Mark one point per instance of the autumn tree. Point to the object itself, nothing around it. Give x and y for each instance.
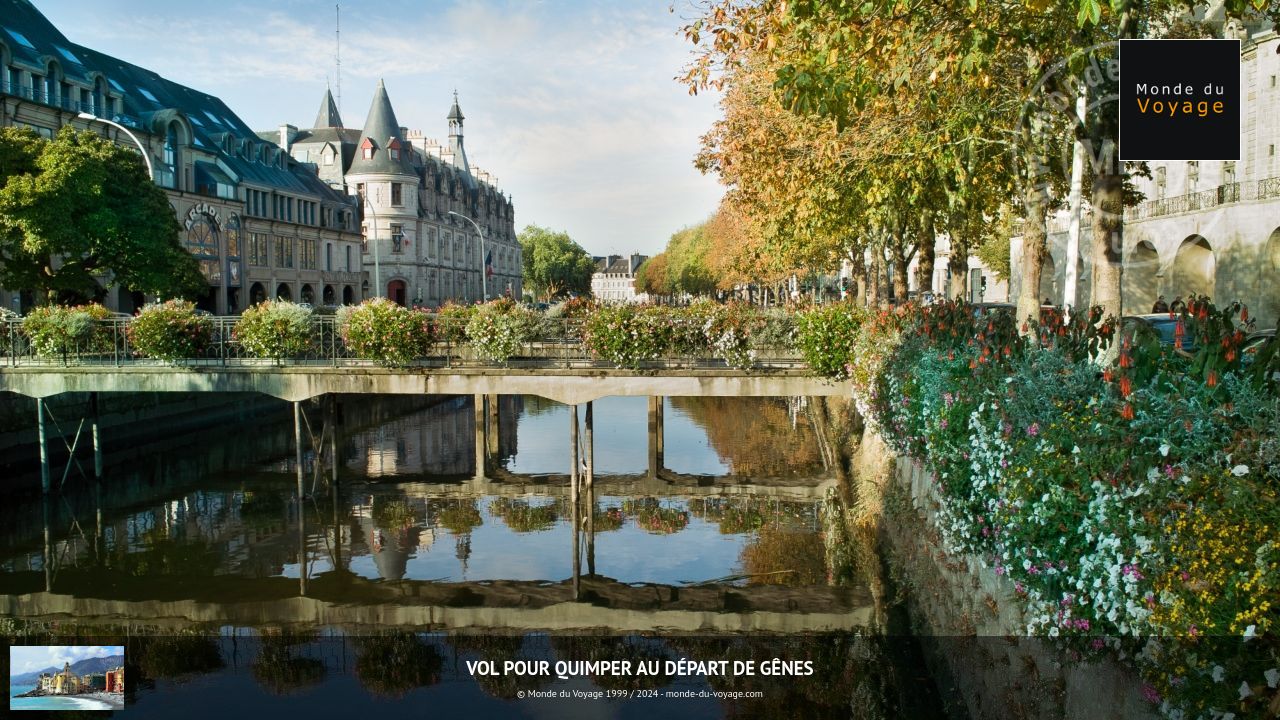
(79, 213)
(554, 265)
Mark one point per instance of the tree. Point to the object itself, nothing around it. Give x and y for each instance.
(687, 270)
(554, 264)
(78, 213)
(651, 276)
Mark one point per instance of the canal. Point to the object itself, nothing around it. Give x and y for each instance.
(397, 568)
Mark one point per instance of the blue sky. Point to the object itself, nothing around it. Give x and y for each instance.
(570, 104)
(25, 659)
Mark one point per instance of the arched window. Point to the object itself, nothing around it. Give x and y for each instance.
(202, 237)
(171, 147)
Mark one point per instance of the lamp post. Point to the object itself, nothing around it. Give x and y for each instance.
(146, 158)
(484, 269)
(377, 266)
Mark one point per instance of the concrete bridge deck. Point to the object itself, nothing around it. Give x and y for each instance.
(570, 386)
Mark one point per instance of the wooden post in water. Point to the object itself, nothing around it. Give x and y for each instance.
(574, 509)
(480, 444)
(590, 449)
(591, 530)
(493, 426)
(573, 446)
(654, 404)
(44, 447)
(297, 444)
(97, 439)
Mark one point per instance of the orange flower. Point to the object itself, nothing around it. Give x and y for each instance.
(1126, 412)
(1212, 380)
(1126, 386)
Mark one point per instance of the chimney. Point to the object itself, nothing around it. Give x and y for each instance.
(287, 134)
(636, 261)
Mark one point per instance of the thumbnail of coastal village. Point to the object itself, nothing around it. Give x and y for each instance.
(94, 682)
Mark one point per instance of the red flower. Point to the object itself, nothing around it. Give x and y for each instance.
(1126, 412)
(1126, 386)
(1107, 375)
(1212, 380)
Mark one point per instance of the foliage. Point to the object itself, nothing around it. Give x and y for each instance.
(651, 277)
(170, 331)
(8, 320)
(498, 329)
(56, 331)
(652, 516)
(383, 331)
(452, 319)
(994, 253)
(783, 556)
(458, 516)
(825, 335)
(1132, 507)
(554, 265)
(275, 329)
(523, 516)
(393, 663)
(79, 207)
(626, 335)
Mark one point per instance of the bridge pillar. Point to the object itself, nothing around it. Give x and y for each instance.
(573, 447)
(590, 449)
(479, 400)
(591, 531)
(297, 444)
(97, 439)
(655, 437)
(44, 447)
(491, 429)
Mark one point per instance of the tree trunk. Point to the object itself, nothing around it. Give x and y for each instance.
(1034, 234)
(924, 269)
(874, 274)
(958, 264)
(900, 275)
(1108, 242)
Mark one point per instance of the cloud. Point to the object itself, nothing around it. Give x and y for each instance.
(25, 659)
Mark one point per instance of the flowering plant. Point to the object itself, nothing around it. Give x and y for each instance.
(385, 332)
(452, 320)
(170, 331)
(58, 331)
(274, 329)
(499, 328)
(627, 335)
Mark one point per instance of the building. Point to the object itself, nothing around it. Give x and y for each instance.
(66, 682)
(1206, 227)
(261, 224)
(115, 680)
(614, 280)
(420, 200)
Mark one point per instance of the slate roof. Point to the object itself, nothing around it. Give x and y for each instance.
(328, 116)
(382, 132)
(151, 101)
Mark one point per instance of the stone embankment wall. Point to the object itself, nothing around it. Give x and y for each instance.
(970, 621)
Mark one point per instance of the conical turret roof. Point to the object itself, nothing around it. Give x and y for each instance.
(328, 116)
(381, 134)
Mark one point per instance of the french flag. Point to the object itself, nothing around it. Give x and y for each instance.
(488, 264)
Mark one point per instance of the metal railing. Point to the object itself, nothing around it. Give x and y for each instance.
(1225, 194)
(556, 344)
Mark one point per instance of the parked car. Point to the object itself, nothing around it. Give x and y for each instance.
(1252, 344)
(1165, 325)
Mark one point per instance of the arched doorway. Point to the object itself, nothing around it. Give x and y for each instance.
(257, 294)
(1140, 281)
(1194, 268)
(283, 292)
(308, 294)
(397, 291)
(330, 298)
(348, 295)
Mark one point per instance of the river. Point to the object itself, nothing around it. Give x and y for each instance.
(398, 566)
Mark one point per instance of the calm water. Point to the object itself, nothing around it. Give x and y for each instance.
(49, 703)
(399, 556)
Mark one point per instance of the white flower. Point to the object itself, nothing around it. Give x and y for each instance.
(1273, 677)
(1240, 470)
(1219, 673)
(1164, 450)
(1250, 633)
(1245, 690)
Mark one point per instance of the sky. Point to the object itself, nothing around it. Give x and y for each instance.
(571, 105)
(25, 659)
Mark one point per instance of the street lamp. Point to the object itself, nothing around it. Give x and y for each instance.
(146, 158)
(484, 269)
(377, 266)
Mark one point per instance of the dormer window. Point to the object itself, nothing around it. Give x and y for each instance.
(393, 147)
(366, 149)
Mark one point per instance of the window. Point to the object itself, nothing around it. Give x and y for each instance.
(328, 156)
(1160, 182)
(70, 56)
(119, 88)
(397, 238)
(328, 257)
(307, 255)
(171, 147)
(233, 237)
(22, 39)
(348, 258)
(202, 238)
(397, 194)
(284, 252)
(147, 94)
(1228, 172)
(258, 250)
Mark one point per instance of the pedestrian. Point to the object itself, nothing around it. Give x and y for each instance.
(1160, 306)
(1177, 305)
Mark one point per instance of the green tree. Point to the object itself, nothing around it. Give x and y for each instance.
(78, 213)
(687, 269)
(554, 264)
(651, 276)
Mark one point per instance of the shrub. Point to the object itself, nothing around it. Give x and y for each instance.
(58, 331)
(825, 337)
(8, 325)
(452, 320)
(627, 335)
(275, 329)
(498, 329)
(170, 331)
(380, 330)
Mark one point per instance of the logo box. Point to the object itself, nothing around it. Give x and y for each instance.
(1180, 100)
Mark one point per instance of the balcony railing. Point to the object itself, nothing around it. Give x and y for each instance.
(557, 343)
(67, 103)
(1225, 194)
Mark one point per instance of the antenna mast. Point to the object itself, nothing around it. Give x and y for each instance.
(337, 50)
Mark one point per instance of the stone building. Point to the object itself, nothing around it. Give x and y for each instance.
(1206, 227)
(614, 280)
(419, 200)
(261, 224)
